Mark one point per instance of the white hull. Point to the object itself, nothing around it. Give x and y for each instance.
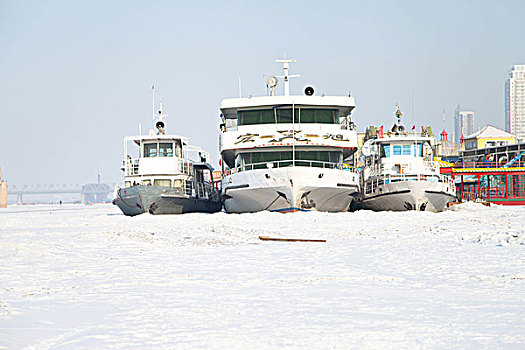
(289, 189)
(410, 195)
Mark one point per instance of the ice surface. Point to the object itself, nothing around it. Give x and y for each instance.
(76, 276)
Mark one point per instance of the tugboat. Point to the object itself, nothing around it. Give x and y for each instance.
(399, 172)
(287, 153)
(165, 178)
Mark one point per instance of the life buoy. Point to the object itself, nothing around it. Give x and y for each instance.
(488, 157)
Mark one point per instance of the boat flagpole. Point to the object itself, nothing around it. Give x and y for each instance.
(293, 133)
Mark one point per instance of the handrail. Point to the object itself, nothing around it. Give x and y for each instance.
(344, 123)
(517, 164)
(189, 188)
(410, 169)
(370, 186)
(287, 163)
(131, 166)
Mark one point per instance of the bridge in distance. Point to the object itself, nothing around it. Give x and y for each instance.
(96, 192)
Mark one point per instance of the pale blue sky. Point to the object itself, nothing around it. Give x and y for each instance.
(76, 77)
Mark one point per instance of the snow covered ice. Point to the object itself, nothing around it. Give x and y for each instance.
(77, 276)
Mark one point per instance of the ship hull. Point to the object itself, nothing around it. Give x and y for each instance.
(289, 189)
(409, 195)
(159, 200)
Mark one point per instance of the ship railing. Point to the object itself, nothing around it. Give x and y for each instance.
(371, 186)
(345, 123)
(199, 190)
(184, 166)
(288, 163)
(424, 167)
(131, 167)
(517, 164)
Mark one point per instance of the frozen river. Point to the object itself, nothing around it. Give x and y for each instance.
(77, 276)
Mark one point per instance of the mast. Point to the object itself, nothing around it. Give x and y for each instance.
(153, 101)
(286, 77)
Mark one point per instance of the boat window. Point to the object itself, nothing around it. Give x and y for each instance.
(178, 149)
(127, 184)
(150, 149)
(397, 150)
(162, 182)
(166, 149)
(177, 183)
(321, 116)
(406, 150)
(262, 116)
(385, 150)
(303, 158)
(418, 150)
(283, 115)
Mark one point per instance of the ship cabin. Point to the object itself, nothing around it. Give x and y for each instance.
(405, 155)
(281, 131)
(165, 160)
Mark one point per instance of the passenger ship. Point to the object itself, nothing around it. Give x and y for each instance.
(169, 176)
(400, 173)
(285, 153)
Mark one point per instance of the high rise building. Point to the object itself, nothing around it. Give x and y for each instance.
(515, 102)
(463, 123)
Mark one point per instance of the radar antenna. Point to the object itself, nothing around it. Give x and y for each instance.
(286, 77)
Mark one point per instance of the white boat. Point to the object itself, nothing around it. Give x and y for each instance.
(167, 175)
(400, 173)
(286, 153)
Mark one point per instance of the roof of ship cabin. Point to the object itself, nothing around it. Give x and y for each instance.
(270, 101)
(155, 137)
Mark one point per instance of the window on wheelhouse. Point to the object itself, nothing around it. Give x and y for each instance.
(166, 149)
(150, 149)
(284, 115)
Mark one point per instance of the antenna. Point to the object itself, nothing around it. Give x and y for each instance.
(286, 77)
(398, 114)
(160, 114)
(153, 101)
(240, 88)
(159, 122)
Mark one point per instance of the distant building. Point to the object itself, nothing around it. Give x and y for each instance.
(489, 136)
(446, 148)
(515, 102)
(463, 124)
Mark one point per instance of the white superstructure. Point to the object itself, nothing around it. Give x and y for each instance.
(285, 153)
(399, 173)
(515, 102)
(162, 159)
